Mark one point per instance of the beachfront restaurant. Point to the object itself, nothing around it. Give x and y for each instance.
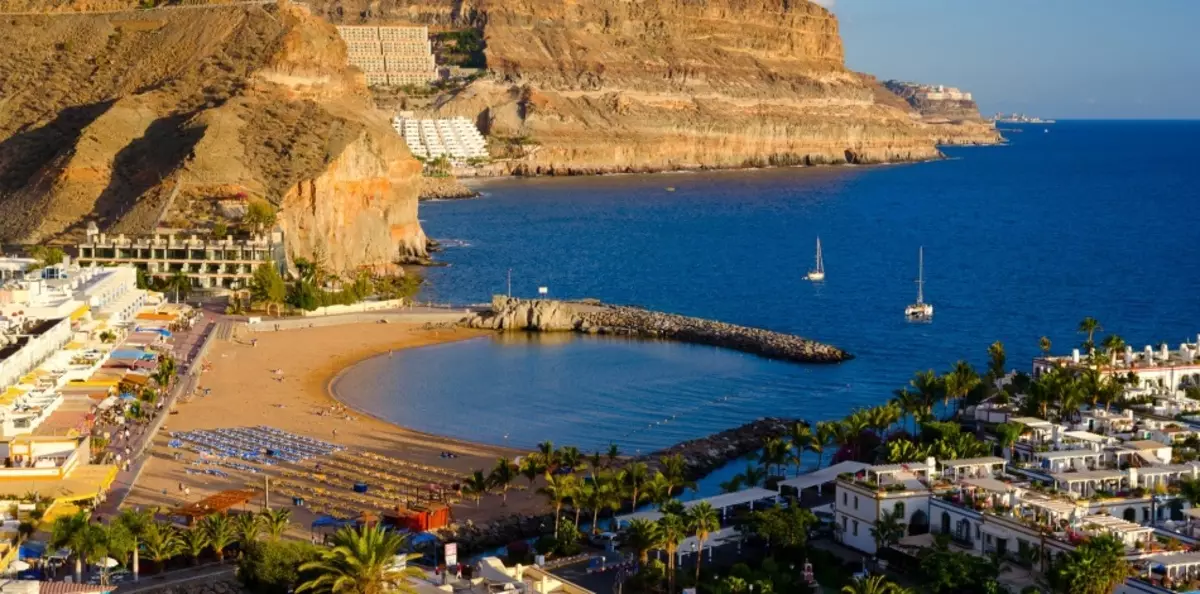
(722, 503)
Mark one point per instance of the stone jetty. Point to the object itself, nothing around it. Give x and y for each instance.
(593, 317)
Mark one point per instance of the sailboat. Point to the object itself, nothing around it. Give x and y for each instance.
(920, 310)
(818, 273)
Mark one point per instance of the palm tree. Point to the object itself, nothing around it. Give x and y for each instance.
(275, 522)
(530, 468)
(1008, 434)
(613, 453)
(774, 453)
(889, 529)
(673, 530)
(558, 489)
(136, 522)
(873, 584)
(641, 536)
(802, 437)
(1189, 489)
(362, 561)
(658, 489)
(179, 281)
(608, 496)
(904, 450)
(247, 528)
(571, 458)
(702, 520)
(674, 468)
(502, 477)
(161, 542)
(1089, 326)
(930, 387)
(476, 486)
(549, 455)
(113, 540)
(220, 532)
(1113, 345)
(959, 382)
(71, 532)
(825, 433)
(587, 497)
(1044, 345)
(996, 360)
(732, 485)
(1097, 566)
(910, 403)
(636, 475)
(753, 476)
(194, 543)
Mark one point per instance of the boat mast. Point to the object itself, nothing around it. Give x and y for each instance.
(820, 264)
(920, 275)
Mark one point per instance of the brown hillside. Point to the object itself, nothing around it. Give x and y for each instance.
(143, 118)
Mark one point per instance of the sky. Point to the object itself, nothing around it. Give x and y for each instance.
(1102, 59)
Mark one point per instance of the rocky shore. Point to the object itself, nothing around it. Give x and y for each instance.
(444, 188)
(701, 457)
(592, 317)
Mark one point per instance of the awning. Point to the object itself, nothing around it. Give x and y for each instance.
(79, 313)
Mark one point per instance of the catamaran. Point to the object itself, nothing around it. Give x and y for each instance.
(920, 310)
(818, 273)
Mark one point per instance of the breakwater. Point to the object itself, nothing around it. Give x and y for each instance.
(593, 317)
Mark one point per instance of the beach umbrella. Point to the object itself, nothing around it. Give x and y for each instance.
(108, 563)
(18, 566)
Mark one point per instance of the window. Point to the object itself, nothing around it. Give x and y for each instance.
(855, 527)
(845, 498)
(898, 510)
(844, 523)
(856, 502)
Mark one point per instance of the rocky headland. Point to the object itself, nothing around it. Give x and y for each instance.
(593, 317)
(444, 188)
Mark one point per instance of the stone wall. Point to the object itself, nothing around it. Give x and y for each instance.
(546, 315)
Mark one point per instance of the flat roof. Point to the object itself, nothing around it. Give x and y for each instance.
(1053, 505)
(902, 467)
(1031, 422)
(1086, 436)
(718, 501)
(1167, 469)
(1087, 475)
(1175, 559)
(989, 484)
(1065, 454)
(824, 475)
(986, 460)
(83, 483)
(1145, 444)
(1115, 524)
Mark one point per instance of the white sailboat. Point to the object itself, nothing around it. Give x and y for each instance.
(920, 310)
(818, 273)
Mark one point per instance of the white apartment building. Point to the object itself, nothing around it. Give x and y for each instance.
(1154, 367)
(391, 56)
(456, 138)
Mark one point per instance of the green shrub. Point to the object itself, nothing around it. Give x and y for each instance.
(273, 567)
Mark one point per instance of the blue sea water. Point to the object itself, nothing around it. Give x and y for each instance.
(1024, 240)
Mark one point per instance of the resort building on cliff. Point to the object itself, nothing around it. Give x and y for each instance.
(209, 264)
(391, 56)
(456, 138)
(1160, 368)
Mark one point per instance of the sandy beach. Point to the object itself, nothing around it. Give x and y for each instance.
(245, 391)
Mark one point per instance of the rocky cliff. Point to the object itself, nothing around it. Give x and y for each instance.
(139, 119)
(609, 85)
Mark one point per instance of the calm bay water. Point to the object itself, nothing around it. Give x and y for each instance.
(1099, 219)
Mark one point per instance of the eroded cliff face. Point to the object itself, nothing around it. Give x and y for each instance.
(141, 119)
(661, 84)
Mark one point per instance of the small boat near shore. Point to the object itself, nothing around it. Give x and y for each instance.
(920, 311)
(817, 274)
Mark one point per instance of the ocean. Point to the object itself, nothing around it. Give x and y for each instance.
(1088, 219)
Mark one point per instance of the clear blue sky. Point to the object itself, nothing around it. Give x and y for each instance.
(1050, 58)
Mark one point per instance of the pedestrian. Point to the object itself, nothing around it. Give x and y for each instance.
(187, 491)
(335, 433)
(181, 486)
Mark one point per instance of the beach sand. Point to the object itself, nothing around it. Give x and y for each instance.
(245, 392)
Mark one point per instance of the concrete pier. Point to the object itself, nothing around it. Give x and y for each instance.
(592, 317)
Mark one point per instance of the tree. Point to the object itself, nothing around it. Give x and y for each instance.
(1089, 326)
(47, 255)
(274, 567)
(910, 403)
(960, 381)
(613, 453)
(889, 529)
(165, 370)
(674, 468)
(946, 571)
(802, 437)
(702, 520)
(673, 531)
(1113, 345)
(658, 489)
(549, 455)
(267, 286)
(786, 528)
(179, 281)
(571, 458)
(996, 360)
(502, 477)
(774, 453)
(823, 437)
(1008, 434)
(220, 230)
(194, 543)
(136, 523)
(636, 475)
(558, 489)
(872, 584)
(113, 540)
(530, 468)
(220, 532)
(753, 476)
(259, 215)
(362, 561)
(1044, 344)
(161, 542)
(247, 528)
(476, 486)
(275, 522)
(72, 532)
(1096, 566)
(643, 535)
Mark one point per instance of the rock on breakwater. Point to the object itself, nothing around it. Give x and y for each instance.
(704, 455)
(592, 317)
